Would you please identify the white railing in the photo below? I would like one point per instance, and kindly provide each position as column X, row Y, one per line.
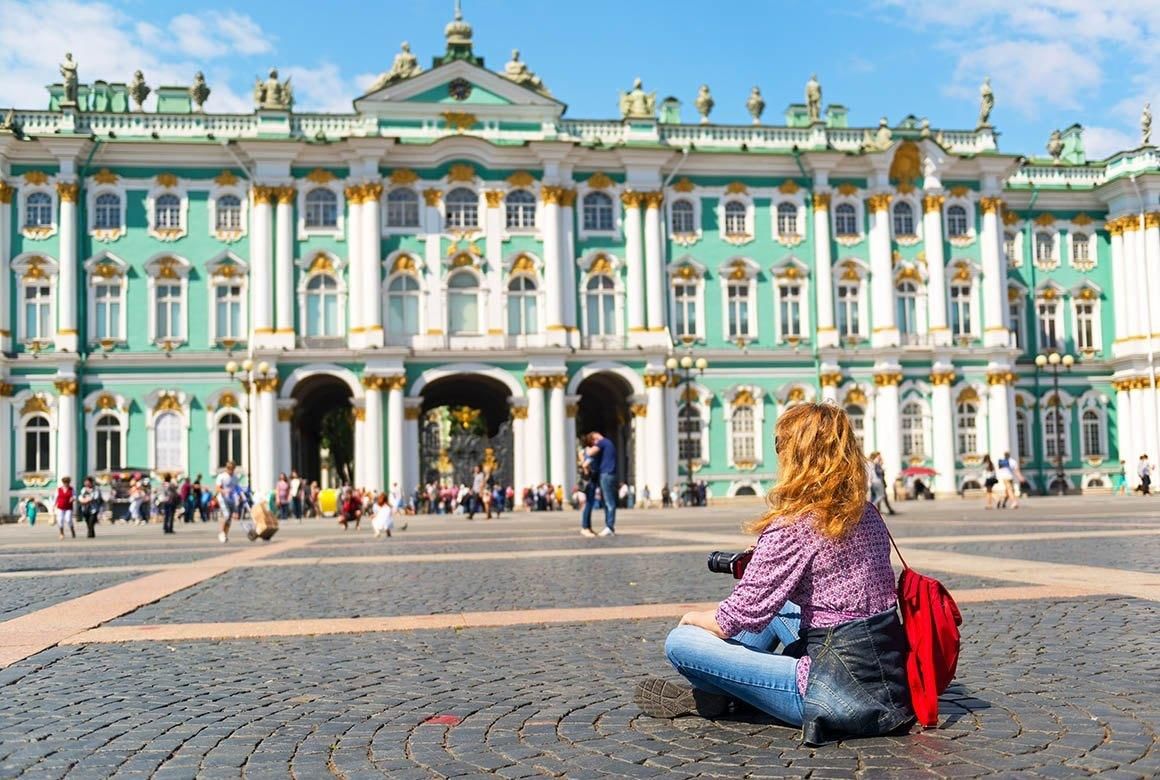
column 1058, row 176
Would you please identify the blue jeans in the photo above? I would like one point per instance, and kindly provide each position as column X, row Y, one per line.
column 607, row 488
column 745, row 666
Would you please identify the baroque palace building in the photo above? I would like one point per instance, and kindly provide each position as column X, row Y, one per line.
column 467, row 276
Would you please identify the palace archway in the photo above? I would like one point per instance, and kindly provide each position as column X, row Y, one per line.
column 604, row 407
column 465, row 422
column 322, row 431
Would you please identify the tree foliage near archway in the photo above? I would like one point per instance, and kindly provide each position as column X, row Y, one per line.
column 337, row 436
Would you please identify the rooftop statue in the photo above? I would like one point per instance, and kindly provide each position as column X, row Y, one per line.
column 518, row 72
column 68, row 72
column 404, row 66
column 880, row 139
column 638, row 104
column 272, row 93
column 199, row 91
column 1055, row 146
column 814, row 99
column 138, row 90
column 755, row 105
column 986, row 103
column 704, row 103
column 9, row 121
column 1146, row 125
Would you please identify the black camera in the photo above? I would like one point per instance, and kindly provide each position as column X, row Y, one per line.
column 729, row 563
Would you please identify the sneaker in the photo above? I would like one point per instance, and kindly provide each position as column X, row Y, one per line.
column 583, row 532
column 377, row 533
column 664, row 699
column 607, row 532
column 223, row 538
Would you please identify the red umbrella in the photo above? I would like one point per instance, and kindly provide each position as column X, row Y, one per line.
column 918, row 471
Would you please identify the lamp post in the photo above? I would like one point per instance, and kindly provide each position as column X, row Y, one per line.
column 245, row 373
column 1056, row 361
column 682, row 370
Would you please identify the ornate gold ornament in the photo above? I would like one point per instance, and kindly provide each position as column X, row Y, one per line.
column 991, row 205
column 1001, row 378
column 789, row 187
column 739, row 270
column 321, row 264
column 36, row 404
column 494, row 198
column 285, row 195
column 519, row 412
column 656, row 380
column 412, row 412
column 463, row 260
column 906, row 166
column 879, row 202
column 401, row 177
column 601, row 265
column 847, row 188
column 1087, row 294
column 432, row 196
column 227, row 400
column 261, row 193
column 1151, row 220
column 404, row 264
column 226, row 178
column 571, row 410
column 267, row 384
column 67, row 387
column 395, row 382
column 600, row 181
column 960, row 191
column 744, row 397
column 968, row 395
column 521, row 179
column 105, row 176
column 167, row 180
column 523, row 265
column 36, row 177
column 67, row 191
column 6, row 192
column 653, row 200
column 1049, row 294
column 830, row 378
column 631, row 199
column 6, row 390
column 1081, row 219
column 320, row 176
column 551, row 195
column 360, row 414
column 736, row 188
column 684, row 184
column 106, row 269
column 888, row 379
column 932, row 203
column 639, row 410
column 567, row 198
column 167, row 402
column 285, row 415
column 460, row 121
column 821, row 201
column 686, row 272
column 461, row 172
column 1045, row 219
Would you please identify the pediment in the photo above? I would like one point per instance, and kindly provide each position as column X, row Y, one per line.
column 477, row 90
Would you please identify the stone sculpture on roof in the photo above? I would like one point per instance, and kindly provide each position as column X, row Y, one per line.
column 1146, row 125
column 199, row 91
column 138, row 90
column 638, row 104
column 986, row 103
column 755, row 105
column 704, row 103
column 68, row 72
column 517, row 71
column 814, row 99
column 273, row 94
column 404, row 66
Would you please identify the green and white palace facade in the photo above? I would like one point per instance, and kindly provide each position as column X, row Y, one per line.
column 466, row 275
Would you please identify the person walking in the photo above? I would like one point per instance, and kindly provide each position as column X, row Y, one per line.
column 282, row 496
column 473, row 502
column 185, row 493
column 1120, row 480
column 228, row 491
column 169, row 499
column 30, row 510
column 878, row 483
column 1144, row 471
column 989, row 481
column 603, row 467
column 296, row 494
column 89, row 503
column 1005, row 473
column 64, row 506
column 137, row 498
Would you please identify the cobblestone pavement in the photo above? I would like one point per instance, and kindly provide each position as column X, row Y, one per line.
column 1057, row 680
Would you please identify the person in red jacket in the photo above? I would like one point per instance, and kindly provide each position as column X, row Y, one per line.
column 64, row 506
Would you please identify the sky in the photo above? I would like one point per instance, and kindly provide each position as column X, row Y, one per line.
column 1051, row 63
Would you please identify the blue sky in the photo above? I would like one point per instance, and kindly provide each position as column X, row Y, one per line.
column 1051, row 63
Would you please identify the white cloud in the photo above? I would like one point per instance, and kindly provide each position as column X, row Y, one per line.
column 1026, row 74
column 194, row 38
column 1100, row 142
column 321, row 88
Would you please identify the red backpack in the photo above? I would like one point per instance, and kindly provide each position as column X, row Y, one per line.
column 931, row 620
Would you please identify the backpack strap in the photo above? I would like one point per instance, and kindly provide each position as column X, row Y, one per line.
column 894, row 544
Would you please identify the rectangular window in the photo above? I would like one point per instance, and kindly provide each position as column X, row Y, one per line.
column 738, row 295
column 1049, row 331
column 848, row 310
column 228, row 301
column 744, row 449
column 1085, row 325
column 961, row 310
column 37, row 312
column 108, row 311
column 1054, row 432
column 790, row 310
column 168, row 312
column 1015, row 322
column 685, row 322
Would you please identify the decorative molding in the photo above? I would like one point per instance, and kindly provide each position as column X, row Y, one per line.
column 226, row 178
column 460, row 121
column 401, row 177
column 684, row 184
column 932, row 203
column 432, row 196
column 991, row 205
column 821, row 201
column 736, row 188
column 67, row 191
column 66, row 387
column 320, row 176
column 879, row 202
column 600, row 181
column 888, row 379
column 461, row 172
column 38, row 178
column 521, row 179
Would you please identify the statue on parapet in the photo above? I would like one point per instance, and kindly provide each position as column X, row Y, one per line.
column 517, row 71
column 755, row 105
column 814, row 99
column 404, row 66
column 68, row 72
column 880, row 139
column 1146, row 125
column 138, row 90
column 199, row 91
column 638, row 104
column 986, row 103
column 274, row 94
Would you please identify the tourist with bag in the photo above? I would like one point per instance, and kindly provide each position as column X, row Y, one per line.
column 989, row 481
column 89, row 503
column 64, row 507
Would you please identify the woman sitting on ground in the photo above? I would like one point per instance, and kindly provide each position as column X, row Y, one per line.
column 820, row 584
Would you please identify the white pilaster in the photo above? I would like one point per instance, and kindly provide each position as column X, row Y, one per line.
column 535, row 471
column 1126, row 427
column 944, row 436
column 493, row 246
column 634, row 261
column 261, row 262
column 571, row 406
column 673, row 406
column 823, row 270
column 66, row 301
column 654, row 259
column 355, row 298
column 373, row 432
column 884, row 330
column 6, row 312
column 396, row 433
column 266, row 437
column 1152, row 274
column 285, row 416
column 412, row 409
column 370, row 273
column 433, row 222
column 1132, row 277
column 1119, row 281
column 568, row 259
column 639, row 407
column 66, row 430
column 932, row 244
column 995, row 331
column 656, row 457
column 284, row 268
column 520, row 478
column 6, row 427
column 553, row 264
column 1144, row 400
column 888, row 438
column 830, row 381
column 560, row 446
column 999, row 412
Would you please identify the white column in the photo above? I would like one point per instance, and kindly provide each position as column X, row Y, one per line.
column 494, row 223
column 823, row 271
column 520, row 478
column 995, row 332
column 553, row 270
column 999, row 413
column 360, row 458
column 266, row 436
column 356, row 328
column 1119, row 281
column 884, row 331
column 285, row 416
column 568, row 257
column 571, row 407
column 639, row 407
column 1126, row 426
column 433, row 223
column 889, row 441
column 66, row 299
column 1144, row 400
column 634, row 260
column 66, row 430
column 1152, row 273
column 284, row 267
column 261, row 260
column 396, row 445
column 1132, row 278
column 412, row 410
column 5, row 425
column 373, row 432
column 943, row 429
column 932, row 244
column 830, row 382
column 6, row 312
column 654, row 259
column 535, row 471
column 656, row 457
column 559, row 445
column 672, row 408
column 370, row 272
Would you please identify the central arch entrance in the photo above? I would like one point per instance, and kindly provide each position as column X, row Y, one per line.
column 322, row 431
column 465, row 423
column 604, row 407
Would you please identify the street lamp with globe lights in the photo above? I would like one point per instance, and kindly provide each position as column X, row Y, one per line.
column 1056, row 361
column 680, row 372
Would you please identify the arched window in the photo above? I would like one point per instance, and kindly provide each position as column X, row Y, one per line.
column 321, row 208
column 600, row 295
column 1044, row 247
column 1091, row 429
column 1081, row 253
column 737, row 300
column 957, row 221
column 744, row 445
column 846, row 220
column 683, row 217
column 598, row 213
column 403, row 306
column 38, row 210
column 228, row 214
column 167, row 432
column 169, row 321
column 402, row 208
column 109, row 444
column 903, row 219
column 787, row 219
column 108, row 303
column 167, row 212
column 521, row 306
column 685, row 306
column 849, row 294
column 228, row 302
column 37, row 306
column 463, row 303
column 689, row 433
column 107, row 211
column 322, row 313
column 907, row 308
column 857, row 417
column 912, row 426
column 520, row 210
column 462, row 208
column 37, row 444
column 735, row 218
column 229, row 433
column 1022, row 435
column 966, row 418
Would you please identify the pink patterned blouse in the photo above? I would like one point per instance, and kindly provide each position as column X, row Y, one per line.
column 832, row 581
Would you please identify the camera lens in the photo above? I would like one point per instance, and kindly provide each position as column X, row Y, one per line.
column 721, row 562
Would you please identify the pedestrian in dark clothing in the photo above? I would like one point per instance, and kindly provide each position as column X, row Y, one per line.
column 89, row 503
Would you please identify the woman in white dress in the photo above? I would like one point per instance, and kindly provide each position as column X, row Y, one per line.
column 384, row 516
